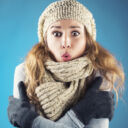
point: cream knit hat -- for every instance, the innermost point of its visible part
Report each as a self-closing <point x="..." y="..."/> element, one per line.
<point x="66" y="9"/>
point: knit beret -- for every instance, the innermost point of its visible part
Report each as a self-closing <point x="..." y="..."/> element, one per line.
<point x="66" y="9"/>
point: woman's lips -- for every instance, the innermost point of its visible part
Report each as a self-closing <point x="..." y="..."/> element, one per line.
<point x="66" y="57"/>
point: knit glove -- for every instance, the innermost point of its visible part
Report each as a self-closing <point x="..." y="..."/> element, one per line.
<point x="95" y="103"/>
<point x="20" y="111"/>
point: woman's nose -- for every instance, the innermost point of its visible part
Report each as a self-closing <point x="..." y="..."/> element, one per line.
<point x="66" y="45"/>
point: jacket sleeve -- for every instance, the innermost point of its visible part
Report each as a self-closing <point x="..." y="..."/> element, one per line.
<point x="69" y="120"/>
<point x="19" y="75"/>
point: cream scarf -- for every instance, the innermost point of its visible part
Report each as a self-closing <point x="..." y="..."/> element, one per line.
<point x="54" y="95"/>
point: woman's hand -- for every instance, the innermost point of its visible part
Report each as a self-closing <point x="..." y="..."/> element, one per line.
<point x="20" y="111"/>
<point x="95" y="103"/>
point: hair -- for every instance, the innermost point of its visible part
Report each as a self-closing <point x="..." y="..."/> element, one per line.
<point x="101" y="58"/>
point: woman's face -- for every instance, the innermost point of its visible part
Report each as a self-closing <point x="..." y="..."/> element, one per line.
<point x="66" y="40"/>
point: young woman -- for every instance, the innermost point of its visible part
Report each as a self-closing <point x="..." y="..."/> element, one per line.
<point x="60" y="73"/>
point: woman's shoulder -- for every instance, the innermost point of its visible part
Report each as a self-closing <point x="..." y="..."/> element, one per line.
<point x="20" y="72"/>
<point x="20" y="67"/>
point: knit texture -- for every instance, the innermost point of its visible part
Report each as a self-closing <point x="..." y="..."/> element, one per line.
<point x="54" y="95"/>
<point x="66" y="9"/>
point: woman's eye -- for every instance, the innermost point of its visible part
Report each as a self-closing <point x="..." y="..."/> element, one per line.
<point x="75" y="33"/>
<point x="57" y="34"/>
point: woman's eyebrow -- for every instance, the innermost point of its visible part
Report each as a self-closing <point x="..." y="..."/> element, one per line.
<point x="69" y="27"/>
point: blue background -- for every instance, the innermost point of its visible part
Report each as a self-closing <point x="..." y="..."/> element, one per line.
<point x="18" y="33"/>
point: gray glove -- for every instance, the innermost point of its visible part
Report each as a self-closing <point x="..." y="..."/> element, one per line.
<point x="20" y="111"/>
<point x="95" y="103"/>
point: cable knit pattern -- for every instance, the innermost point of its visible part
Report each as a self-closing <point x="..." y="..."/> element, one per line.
<point x="66" y="9"/>
<point x="54" y="94"/>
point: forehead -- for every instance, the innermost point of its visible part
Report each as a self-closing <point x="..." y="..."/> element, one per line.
<point x="66" y="23"/>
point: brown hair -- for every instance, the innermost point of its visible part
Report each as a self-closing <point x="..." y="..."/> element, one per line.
<point x="102" y="60"/>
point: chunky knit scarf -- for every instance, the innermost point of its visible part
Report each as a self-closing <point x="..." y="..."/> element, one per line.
<point x="54" y="94"/>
